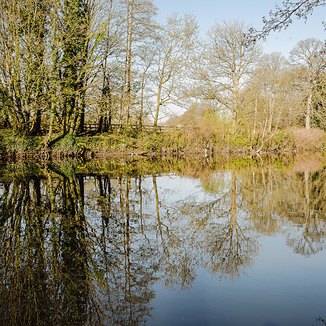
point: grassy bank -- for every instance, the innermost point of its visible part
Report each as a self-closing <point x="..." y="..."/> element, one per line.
<point x="174" y="142"/>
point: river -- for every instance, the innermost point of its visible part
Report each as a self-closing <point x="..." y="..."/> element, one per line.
<point x="219" y="241"/>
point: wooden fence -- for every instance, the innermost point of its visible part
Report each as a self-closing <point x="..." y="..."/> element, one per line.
<point x="94" y="127"/>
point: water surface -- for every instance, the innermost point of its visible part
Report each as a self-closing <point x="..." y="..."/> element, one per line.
<point x="163" y="242"/>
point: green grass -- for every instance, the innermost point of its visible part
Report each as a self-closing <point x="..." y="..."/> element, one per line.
<point x="187" y="140"/>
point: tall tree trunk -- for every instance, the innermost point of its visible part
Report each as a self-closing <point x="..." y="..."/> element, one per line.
<point x="158" y="101"/>
<point x="76" y="19"/>
<point x="309" y="111"/>
<point x="235" y="108"/>
<point x="129" y="54"/>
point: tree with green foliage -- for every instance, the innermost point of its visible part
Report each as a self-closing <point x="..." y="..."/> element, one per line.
<point x="75" y="39"/>
<point x="23" y="38"/>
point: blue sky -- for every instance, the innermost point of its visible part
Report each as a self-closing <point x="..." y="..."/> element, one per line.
<point x="209" y="12"/>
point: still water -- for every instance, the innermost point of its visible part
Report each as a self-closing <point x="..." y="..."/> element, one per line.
<point x="230" y="241"/>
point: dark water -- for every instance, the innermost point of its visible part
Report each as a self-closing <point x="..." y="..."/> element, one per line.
<point x="164" y="242"/>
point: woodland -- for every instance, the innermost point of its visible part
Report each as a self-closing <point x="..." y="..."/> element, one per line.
<point x="71" y="63"/>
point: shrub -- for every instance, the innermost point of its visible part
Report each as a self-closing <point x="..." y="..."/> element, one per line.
<point x="283" y="140"/>
<point x="309" y="139"/>
<point x="17" y="143"/>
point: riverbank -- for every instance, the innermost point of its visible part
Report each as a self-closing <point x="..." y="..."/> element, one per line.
<point x="189" y="166"/>
<point x="151" y="143"/>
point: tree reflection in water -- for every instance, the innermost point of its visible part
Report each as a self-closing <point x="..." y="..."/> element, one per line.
<point x="230" y="244"/>
<point x="275" y="199"/>
<point x="86" y="249"/>
<point x="59" y="268"/>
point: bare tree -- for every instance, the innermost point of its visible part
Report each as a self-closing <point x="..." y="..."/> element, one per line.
<point x="146" y="56"/>
<point x="269" y="96"/>
<point x="175" y="44"/>
<point x="139" y="26"/>
<point x="282" y="16"/>
<point x="308" y="56"/>
<point x="225" y="65"/>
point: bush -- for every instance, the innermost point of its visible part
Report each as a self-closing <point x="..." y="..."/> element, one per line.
<point x="283" y="140"/>
<point x="309" y="139"/>
<point x="10" y="141"/>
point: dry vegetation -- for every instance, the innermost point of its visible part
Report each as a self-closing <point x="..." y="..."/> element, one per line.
<point x="313" y="139"/>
